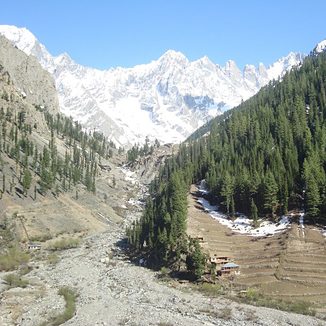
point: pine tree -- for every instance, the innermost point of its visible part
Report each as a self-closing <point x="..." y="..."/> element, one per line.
<point x="196" y="260"/>
<point x="312" y="197"/>
<point x="27" y="180"/>
<point x="253" y="211"/>
<point x="270" y="194"/>
<point x="227" y="191"/>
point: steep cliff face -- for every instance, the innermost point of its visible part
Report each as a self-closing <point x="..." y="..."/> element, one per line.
<point x="28" y="79"/>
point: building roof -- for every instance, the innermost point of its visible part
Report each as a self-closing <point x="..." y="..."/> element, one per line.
<point x="230" y="265"/>
<point x="33" y="244"/>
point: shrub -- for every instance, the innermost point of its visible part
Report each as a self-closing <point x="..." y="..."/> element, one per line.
<point x="66" y="243"/>
<point x="14" y="281"/>
<point x="252" y="294"/>
<point x="211" y="290"/>
<point x="258" y="299"/>
<point x="13" y="259"/>
<point x="53" y="259"/>
<point x="41" y="237"/>
<point x="70" y="297"/>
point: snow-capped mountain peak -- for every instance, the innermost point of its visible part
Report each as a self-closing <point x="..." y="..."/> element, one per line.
<point x="281" y="66"/>
<point x="20" y="36"/>
<point x="166" y="99"/>
<point x="63" y="59"/>
<point x="320" y="47"/>
<point x="172" y="55"/>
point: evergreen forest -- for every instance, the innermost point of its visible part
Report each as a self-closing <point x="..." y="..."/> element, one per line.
<point x="263" y="158"/>
<point x="41" y="168"/>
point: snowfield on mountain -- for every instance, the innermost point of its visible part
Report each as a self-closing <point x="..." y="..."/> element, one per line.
<point x="166" y="99"/>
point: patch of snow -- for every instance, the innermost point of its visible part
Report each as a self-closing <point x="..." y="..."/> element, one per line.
<point x="207" y="206"/>
<point x="244" y="225"/>
<point x="203" y="187"/>
<point x="134" y="202"/>
<point x="129" y="175"/>
<point x="301" y="222"/>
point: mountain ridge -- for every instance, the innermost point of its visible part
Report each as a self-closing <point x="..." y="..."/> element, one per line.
<point x="166" y="99"/>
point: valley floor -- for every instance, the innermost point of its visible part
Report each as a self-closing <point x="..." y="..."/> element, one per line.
<point x="116" y="292"/>
<point x="113" y="291"/>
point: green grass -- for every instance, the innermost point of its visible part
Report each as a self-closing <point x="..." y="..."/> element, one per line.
<point x="13" y="259"/>
<point x="211" y="290"/>
<point x="53" y="259"/>
<point x="254" y="297"/>
<point x="14" y="281"/>
<point x="70" y="297"/>
<point x="40" y="237"/>
<point x="66" y="243"/>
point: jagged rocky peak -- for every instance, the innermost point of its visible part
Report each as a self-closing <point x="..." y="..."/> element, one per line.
<point x="250" y="73"/>
<point x="232" y="70"/>
<point x="205" y="63"/>
<point x="262" y="70"/>
<point x="166" y="99"/>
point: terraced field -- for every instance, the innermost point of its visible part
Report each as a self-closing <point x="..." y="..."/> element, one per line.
<point x="290" y="265"/>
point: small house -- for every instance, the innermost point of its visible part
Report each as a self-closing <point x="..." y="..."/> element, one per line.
<point x="219" y="260"/>
<point x="230" y="269"/>
<point x="34" y="246"/>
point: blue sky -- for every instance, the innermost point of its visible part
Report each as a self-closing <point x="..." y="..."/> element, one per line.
<point x="111" y="33"/>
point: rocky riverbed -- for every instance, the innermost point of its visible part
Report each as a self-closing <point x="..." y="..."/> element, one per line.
<point x="113" y="291"/>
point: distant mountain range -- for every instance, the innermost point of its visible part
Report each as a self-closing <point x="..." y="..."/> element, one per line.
<point x="166" y="99"/>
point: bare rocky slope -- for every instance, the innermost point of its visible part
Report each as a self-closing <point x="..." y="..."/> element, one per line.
<point x="27" y="78"/>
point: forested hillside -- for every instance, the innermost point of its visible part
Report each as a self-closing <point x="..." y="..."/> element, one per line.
<point x="40" y="149"/>
<point x="262" y="158"/>
<point x="42" y="166"/>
